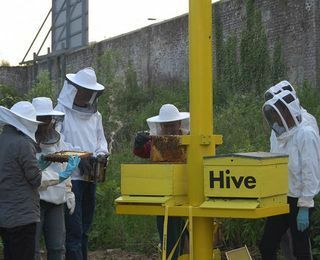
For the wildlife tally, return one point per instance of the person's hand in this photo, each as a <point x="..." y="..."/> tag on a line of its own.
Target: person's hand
<point x="73" y="163"/>
<point x="303" y="219"/>
<point x="85" y="166"/>
<point x="102" y="158"/>
<point x="71" y="202"/>
<point x="140" y="139"/>
<point x="42" y="163"/>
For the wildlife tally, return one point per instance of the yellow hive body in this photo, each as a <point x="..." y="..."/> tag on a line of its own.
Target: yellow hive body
<point x="153" y="179"/>
<point x="245" y="180"/>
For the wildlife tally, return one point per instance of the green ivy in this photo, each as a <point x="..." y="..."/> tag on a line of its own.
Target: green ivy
<point x="246" y="67"/>
<point x="254" y="57"/>
<point x="278" y="69"/>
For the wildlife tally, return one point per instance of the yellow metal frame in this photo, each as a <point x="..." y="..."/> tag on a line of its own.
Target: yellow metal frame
<point x="201" y="123"/>
<point x="200" y="143"/>
<point x="198" y="212"/>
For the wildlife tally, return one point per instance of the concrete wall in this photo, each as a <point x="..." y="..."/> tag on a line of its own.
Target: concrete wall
<point x="159" y="53"/>
<point x="18" y="77"/>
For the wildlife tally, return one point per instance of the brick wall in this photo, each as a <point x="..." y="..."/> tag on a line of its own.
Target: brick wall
<point x="159" y="53"/>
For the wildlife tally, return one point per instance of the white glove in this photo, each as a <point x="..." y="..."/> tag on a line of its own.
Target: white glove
<point x="71" y="202"/>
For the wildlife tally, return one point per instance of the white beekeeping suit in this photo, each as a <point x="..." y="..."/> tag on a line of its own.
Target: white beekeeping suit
<point x="90" y="138"/>
<point x="302" y="144"/>
<point x="53" y="199"/>
<point x="300" y="141"/>
<point x="307" y="118"/>
<point x="82" y="127"/>
<point x="52" y="190"/>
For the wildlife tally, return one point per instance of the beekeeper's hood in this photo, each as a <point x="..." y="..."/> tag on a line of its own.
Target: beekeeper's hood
<point x="276" y="89"/>
<point x="282" y="113"/>
<point x="22" y="116"/>
<point x="169" y="113"/>
<point x="46" y="133"/>
<point x="81" y="91"/>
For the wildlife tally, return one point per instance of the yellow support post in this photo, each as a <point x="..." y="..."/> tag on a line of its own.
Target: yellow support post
<point x="201" y="118"/>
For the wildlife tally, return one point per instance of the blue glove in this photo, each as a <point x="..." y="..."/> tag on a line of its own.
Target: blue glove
<point x="42" y="163"/>
<point x="73" y="163"/>
<point x="303" y="219"/>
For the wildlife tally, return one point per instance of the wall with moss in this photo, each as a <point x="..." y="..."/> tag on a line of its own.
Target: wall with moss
<point x="159" y="53"/>
<point x="295" y="23"/>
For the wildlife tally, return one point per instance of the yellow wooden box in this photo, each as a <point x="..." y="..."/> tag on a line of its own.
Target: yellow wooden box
<point x="153" y="179"/>
<point x="246" y="175"/>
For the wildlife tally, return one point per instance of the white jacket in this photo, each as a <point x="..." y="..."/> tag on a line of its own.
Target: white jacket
<point x="82" y="130"/>
<point x="302" y="145"/>
<point x="56" y="194"/>
<point x="299" y="139"/>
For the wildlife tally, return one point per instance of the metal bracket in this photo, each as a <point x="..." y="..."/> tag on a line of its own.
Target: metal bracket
<point x="204" y="139"/>
<point x="218" y="139"/>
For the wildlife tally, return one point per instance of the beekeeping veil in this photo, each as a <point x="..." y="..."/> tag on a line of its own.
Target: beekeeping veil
<point x="276" y="89"/>
<point x="168" y="114"/>
<point x="22" y="116"/>
<point x="282" y="112"/>
<point x="81" y="91"/>
<point x="46" y="133"/>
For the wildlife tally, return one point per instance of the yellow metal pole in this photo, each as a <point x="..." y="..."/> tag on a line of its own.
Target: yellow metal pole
<point x="201" y="116"/>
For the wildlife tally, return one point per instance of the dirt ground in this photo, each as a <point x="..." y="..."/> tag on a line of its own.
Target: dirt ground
<point x="110" y="254"/>
<point x="118" y="254"/>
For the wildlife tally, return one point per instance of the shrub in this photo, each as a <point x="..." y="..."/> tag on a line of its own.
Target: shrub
<point x="44" y="87"/>
<point x="8" y="96"/>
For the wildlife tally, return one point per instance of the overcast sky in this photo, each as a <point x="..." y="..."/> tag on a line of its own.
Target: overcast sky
<point x="21" y="19"/>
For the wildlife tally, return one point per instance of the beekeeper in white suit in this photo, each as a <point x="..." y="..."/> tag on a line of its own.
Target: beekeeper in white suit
<point x="82" y="127"/>
<point x="302" y="143"/>
<point x="53" y="199"/>
<point x="307" y="118"/>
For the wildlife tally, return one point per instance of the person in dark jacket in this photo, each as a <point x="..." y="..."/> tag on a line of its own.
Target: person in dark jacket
<point x="20" y="177"/>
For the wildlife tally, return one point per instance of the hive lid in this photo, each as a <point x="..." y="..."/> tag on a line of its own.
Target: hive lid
<point x="254" y="155"/>
<point x="250" y="158"/>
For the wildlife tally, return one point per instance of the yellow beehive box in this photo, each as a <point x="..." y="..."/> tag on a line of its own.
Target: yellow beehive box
<point x="153" y="179"/>
<point x="246" y="175"/>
